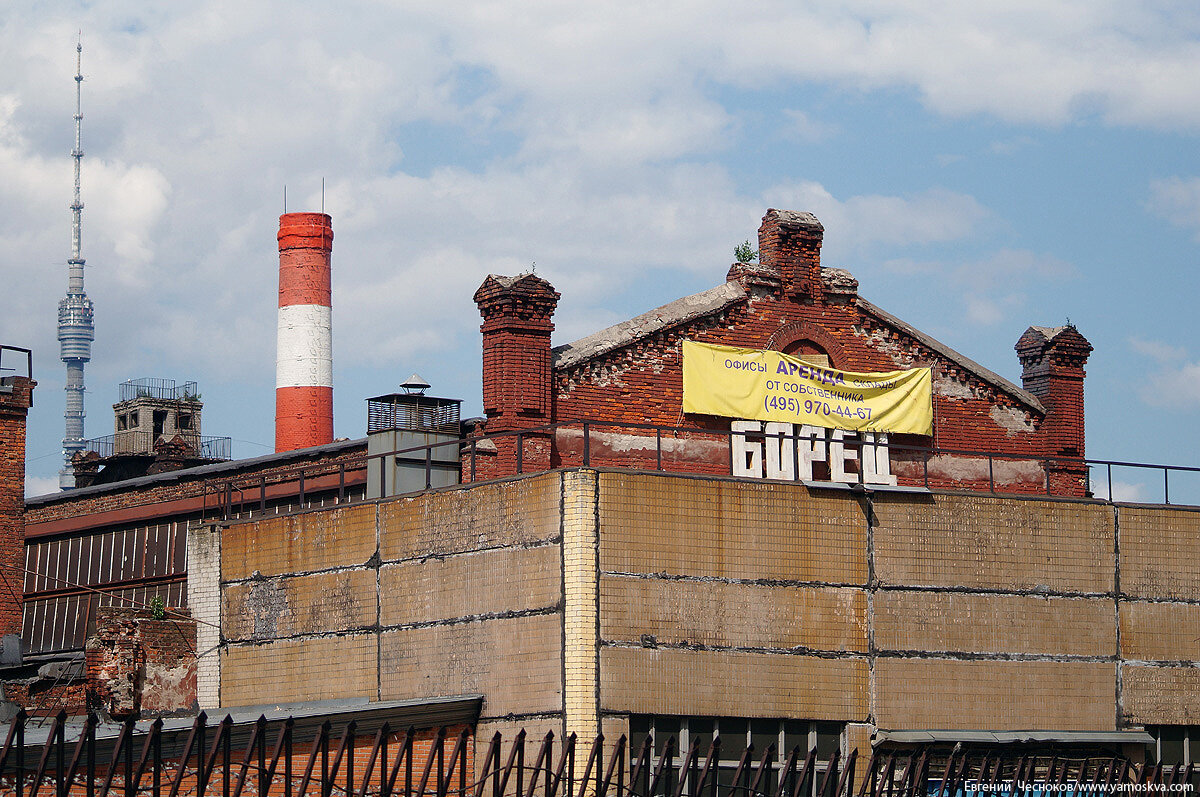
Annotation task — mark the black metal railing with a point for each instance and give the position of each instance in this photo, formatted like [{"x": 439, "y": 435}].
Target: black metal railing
[
  {"x": 157, "y": 388},
  {"x": 264, "y": 758},
  {"x": 611, "y": 444},
  {"x": 140, "y": 443},
  {"x": 15, "y": 354}
]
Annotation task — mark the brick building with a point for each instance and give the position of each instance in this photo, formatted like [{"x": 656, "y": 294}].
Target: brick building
[
  {"x": 631, "y": 373},
  {"x": 606, "y": 564}
]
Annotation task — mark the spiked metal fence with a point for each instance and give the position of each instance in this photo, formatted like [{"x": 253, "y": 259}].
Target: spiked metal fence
[{"x": 442, "y": 763}]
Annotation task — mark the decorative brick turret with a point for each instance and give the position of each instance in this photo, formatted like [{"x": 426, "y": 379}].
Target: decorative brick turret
[
  {"x": 790, "y": 241},
  {"x": 1052, "y": 360},
  {"x": 516, "y": 363},
  {"x": 16, "y": 397}
]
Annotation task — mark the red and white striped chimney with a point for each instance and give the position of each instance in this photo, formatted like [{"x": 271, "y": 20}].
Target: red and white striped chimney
[{"x": 304, "y": 352}]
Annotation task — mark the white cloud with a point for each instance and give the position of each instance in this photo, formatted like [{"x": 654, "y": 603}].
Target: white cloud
[
  {"x": 1157, "y": 350},
  {"x": 992, "y": 288},
  {"x": 1129, "y": 492},
  {"x": 38, "y": 485},
  {"x": 1177, "y": 200},
  {"x": 1174, "y": 381},
  {"x": 1175, "y": 387},
  {"x": 806, "y": 128},
  {"x": 866, "y": 221},
  {"x": 1011, "y": 146}
]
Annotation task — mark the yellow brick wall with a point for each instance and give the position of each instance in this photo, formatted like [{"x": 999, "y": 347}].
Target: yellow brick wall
[
  {"x": 993, "y": 543},
  {"x": 465, "y": 585},
  {"x": 1161, "y": 695},
  {"x": 300, "y": 543},
  {"x": 940, "y": 693},
  {"x": 312, "y": 604},
  {"x": 732, "y": 684},
  {"x": 1160, "y": 631},
  {"x": 580, "y": 609},
  {"x": 975, "y": 623},
  {"x": 296, "y": 670},
  {"x": 726, "y": 529},
  {"x": 858, "y": 737},
  {"x": 1159, "y": 548},
  {"x": 471, "y": 518},
  {"x": 733, "y": 615},
  {"x": 516, "y": 663}
]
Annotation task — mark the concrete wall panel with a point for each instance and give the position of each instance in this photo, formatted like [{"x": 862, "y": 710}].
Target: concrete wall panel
[
  {"x": 957, "y": 622},
  {"x": 732, "y": 684},
  {"x": 981, "y": 542},
  {"x": 296, "y": 670},
  {"x": 320, "y": 603},
  {"x": 515, "y": 662},
  {"x": 1161, "y": 695},
  {"x": 300, "y": 543},
  {"x": 1048, "y": 695},
  {"x": 467, "y": 585},
  {"x": 733, "y": 530},
  {"x": 1159, "y": 548},
  {"x": 1160, "y": 631},
  {"x": 521, "y": 512},
  {"x": 721, "y": 614}
]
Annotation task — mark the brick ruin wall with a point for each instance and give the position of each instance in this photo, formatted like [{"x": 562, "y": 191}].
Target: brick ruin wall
[
  {"x": 141, "y": 664},
  {"x": 725, "y": 598}
]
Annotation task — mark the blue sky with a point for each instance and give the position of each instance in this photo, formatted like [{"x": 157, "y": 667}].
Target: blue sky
[{"x": 979, "y": 168}]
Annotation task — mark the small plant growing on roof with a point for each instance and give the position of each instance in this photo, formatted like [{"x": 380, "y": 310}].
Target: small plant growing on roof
[
  {"x": 158, "y": 609},
  {"x": 745, "y": 253}
]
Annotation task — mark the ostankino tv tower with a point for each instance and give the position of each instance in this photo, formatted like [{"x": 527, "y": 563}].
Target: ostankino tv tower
[{"x": 76, "y": 330}]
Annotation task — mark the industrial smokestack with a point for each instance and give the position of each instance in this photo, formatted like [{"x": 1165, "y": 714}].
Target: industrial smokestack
[{"x": 304, "y": 353}]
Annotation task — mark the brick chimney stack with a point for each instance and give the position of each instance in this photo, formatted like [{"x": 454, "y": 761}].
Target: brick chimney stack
[
  {"x": 791, "y": 242},
  {"x": 16, "y": 397},
  {"x": 304, "y": 353},
  {"x": 516, "y": 362},
  {"x": 1052, "y": 361}
]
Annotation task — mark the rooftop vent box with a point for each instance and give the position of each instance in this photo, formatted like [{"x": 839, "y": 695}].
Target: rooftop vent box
[{"x": 398, "y": 423}]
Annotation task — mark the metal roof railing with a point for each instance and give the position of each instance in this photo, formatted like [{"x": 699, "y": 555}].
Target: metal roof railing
[{"x": 1057, "y": 477}]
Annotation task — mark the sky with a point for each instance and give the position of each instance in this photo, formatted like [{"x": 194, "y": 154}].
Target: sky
[{"x": 979, "y": 167}]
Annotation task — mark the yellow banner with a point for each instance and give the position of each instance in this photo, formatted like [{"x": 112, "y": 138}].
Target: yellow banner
[{"x": 772, "y": 386}]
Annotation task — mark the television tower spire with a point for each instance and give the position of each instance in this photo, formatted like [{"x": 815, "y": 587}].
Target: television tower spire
[{"x": 76, "y": 330}]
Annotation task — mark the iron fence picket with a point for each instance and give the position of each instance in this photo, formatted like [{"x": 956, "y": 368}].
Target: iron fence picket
[{"x": 211, "y": 763}]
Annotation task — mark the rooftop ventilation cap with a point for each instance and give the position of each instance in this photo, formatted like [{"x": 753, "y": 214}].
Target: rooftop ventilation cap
[{"x": 414, "y": 385}]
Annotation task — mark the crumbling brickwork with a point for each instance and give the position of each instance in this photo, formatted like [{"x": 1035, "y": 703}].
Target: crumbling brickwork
[
  {"x": 632, "y": 373},
  {"x": 142, "y": 665},
  {"x": 516, "y": 367}
]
